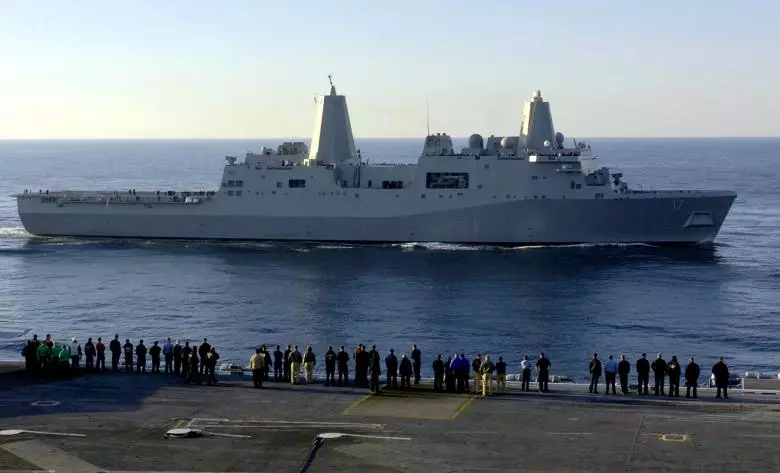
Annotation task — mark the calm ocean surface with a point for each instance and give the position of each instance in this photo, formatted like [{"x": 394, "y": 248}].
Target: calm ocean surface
[{"x": 567, "y": 301}]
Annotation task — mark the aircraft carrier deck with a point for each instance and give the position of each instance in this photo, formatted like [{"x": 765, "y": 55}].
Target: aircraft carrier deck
[{"x": 118, "y": 422}]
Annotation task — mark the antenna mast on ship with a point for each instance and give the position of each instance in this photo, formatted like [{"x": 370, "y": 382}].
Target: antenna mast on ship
[{"x": 427, "y": 117}]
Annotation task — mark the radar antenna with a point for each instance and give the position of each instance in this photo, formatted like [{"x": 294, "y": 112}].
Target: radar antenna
[
  {"x": 427, "y": 117},
  {"x": 330, "y": 79}
]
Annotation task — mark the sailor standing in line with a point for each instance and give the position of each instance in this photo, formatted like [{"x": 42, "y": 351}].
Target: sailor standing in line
[
  {"x": 406, "y": 371},
  {"x": 128, "y": 348},
  {"x": 642, "y": 373},
  {"x": 43, "y": 353},
  {"x": 140, "y": 352},
  {"x": 594, "y": 368},
  {"x": 500, "y": 374},
  {"x": 659, "y": 372},
  {"x": 64, "y": 356},
  {"x": 374, "y": 366},
  {"x": 416, "y": 362},
  {"x": 268, "y": 365},
  {"x": 450, "y": 379},
  {"x": 278, "y": 363},
  {"x": 177, "y": 357},
  {"x": 543, "y": 365},
  {"x": 295, "y": 365},
  {"x": 330, "y": 367},
  {"x": 101, "y": 355},
  {"x": 89, "y": 354},
  {"x": 212, "y": 357},
  {"x": 391, "y": 364},
  {"x": 476, "y": 363},
  {"x": 167, "y": 351},
  {"x": 287, "y": 362},
  {"x": 116, "y": 351},
  {"x": 674, "y": 370},
  {"x": 486, "y": 370},
  {"x": 692, "y": 373},
  {"x": 257, "y": 365},
  {"x": 193, "y": 375},
  {"x": 361, "y": 366},
  {"x": 342, "y": 358},
  {"x": 203, "y": 351},
  {"x": 186, "y": 351},
  {"x": 462, "y": 372},
  {"x": 309, "y": 360},
  {"x": 438, "y": 374},
  {"x": 721, "y": 372},
  {"x": 75, "y": 354},
  {"x": 624, "y": 367},
  {"x": 30, "y": 354},
  {"x": 610, "y": 371},
  {"x": 154, "y": 352},
  {"x": 525, "y": 367}
]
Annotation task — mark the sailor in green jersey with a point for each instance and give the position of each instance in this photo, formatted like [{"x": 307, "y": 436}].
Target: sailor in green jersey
[
  {"x": 63, "y": 366},
  {"x": 486, "y": 369},
  {"x": 55, "y": 354},
  {"x": 44, "y": 355}
]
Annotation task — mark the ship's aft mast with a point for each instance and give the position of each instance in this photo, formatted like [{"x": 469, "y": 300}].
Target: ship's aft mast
[{"x": 332, "y": 140}]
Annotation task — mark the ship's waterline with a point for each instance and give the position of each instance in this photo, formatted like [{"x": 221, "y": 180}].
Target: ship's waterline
[{"x": 514, "y": 190}]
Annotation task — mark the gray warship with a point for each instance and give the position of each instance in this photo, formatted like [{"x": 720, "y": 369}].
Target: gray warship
[{"x": 529, "y": 189}]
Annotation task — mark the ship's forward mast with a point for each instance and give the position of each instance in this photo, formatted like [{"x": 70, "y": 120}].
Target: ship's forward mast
[{"x": 332, "y": 140}]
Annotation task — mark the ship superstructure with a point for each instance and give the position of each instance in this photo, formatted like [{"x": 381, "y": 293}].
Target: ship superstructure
[{"x": 511, "y": 190}]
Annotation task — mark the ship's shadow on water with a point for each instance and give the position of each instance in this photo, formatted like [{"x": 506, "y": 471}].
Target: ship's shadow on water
[{"x": 251, "y": 253}]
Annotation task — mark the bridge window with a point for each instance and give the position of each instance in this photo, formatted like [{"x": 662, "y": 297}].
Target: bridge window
[
  {"x": 239, "y": 183},
  {"x": 447, "y": 180},
  {"x": 392, "y": 184},
  {"x": 230, "y": 193},
  {"x": 231, "y": 183},
  {"x": 292, "y": 183},
  {"x": 238, "y": 193}
]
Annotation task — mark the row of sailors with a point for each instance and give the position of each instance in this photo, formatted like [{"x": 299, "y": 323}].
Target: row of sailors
[
  {"x": 454, "y": 373},
  {"x": 41, "y": 357},
  {"x": 661, "y": 370},
  {"x": 451, "y": 375},
  {"x": 287, "y": 365}
]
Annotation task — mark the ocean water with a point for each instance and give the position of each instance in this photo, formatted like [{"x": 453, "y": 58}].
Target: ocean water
[{"x": 566, "y": 301}]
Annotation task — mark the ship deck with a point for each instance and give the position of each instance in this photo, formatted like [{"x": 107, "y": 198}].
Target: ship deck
[{"x": 118, "y": 422}]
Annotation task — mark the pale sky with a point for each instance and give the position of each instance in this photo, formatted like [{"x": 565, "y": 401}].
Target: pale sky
[{"x": 250, "y": 68}]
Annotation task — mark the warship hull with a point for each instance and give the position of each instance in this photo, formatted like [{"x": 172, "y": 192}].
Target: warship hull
[{"x": 672, "y": 217}]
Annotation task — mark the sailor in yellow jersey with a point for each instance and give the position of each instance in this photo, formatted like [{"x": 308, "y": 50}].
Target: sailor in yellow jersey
[
  {"x": 486, "y": 369},
  {"x": 257, "y": 365}
]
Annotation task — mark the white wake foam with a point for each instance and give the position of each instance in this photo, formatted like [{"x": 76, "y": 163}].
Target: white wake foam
[{"x": 14, "y": 232}]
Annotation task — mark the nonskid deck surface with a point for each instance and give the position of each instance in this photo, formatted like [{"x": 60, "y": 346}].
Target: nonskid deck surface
[{"x": 117, "y": 422}]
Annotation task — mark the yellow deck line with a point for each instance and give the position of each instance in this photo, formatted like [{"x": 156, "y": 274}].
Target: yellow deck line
[
  {"x": 463, "y": 407},
  {"x": 356, "y": 403}
]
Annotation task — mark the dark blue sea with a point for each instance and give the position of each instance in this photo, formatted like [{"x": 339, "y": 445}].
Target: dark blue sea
[{"x": 566, "y": 301}]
